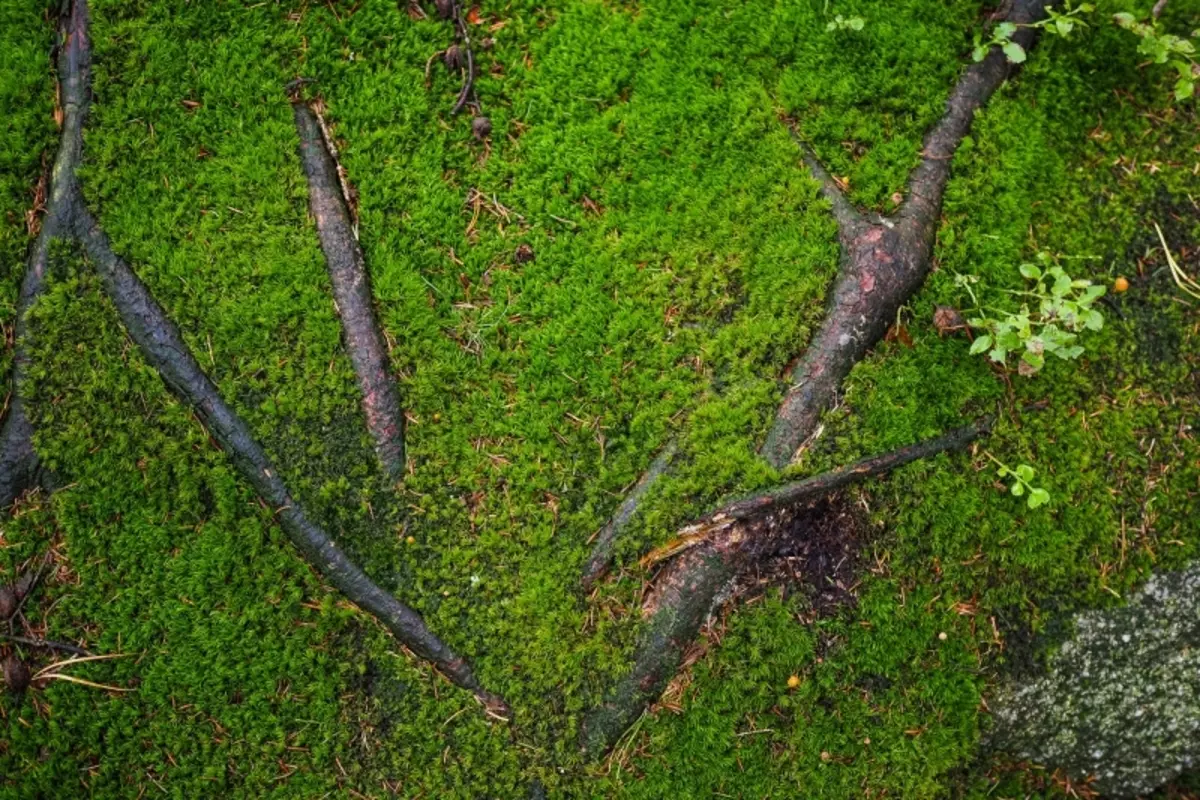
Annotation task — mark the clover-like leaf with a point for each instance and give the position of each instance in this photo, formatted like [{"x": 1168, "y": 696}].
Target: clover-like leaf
[
  {"x": 1014, "y": 52},
  {"x": 1038, "y": 498}
]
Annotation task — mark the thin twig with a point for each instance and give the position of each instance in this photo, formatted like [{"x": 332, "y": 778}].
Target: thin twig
[
  {"x": 26, "y": 591},
  {"x": 49, "y": 669},
  {"x": 467, "y": 93},
  {"x": 1182, "y": 279},
  {"x": 83, "y": 682},
  {"x": 46, "y": 643}
]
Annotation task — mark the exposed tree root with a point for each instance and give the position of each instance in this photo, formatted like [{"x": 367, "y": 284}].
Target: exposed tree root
[
  {"x": 606, "y": 539},
  {"x": 19, "y": 466},
  {"x": 352, "y": 292},
  {"x": 708, "y": 554},
  {"x": 757, "y": 507},
  {"x": 164, "y": 348},
  {"x": 18, "y": 460},
  {"x": 884, "y": 261}
]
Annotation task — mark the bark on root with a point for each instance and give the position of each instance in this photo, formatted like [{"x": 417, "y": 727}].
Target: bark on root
[
  {"x": 710, "y": 553},
  {"x": 163, "y": 347},
  {"x": 606, "y": 540},
  {"x": 19, "y": 466},
  {"x": 884, "y": 261},
  {"x": 352, "y": 292}
]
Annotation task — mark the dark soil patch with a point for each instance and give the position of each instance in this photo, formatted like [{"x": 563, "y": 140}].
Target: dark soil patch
[
  {"x": 1153, "y": 301},
  {"x": 820, "y": 560}
]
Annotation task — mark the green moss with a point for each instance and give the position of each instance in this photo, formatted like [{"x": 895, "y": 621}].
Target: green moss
[
  {"x": 681, "y": 259},
  {"x": 26, "y": 138}
]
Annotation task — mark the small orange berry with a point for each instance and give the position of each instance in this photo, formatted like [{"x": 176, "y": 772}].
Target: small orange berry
[
  {"x": 1120, "y": 285},
  {"x": 411, "y": 540},
  {"x": 793, "y": 681}
]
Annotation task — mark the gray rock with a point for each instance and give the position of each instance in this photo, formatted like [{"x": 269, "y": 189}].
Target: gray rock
[{"x": 1121, "y": 700}]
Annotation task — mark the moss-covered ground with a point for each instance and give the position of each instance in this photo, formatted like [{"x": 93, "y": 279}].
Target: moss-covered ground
[{"x": 681, "y": 257}]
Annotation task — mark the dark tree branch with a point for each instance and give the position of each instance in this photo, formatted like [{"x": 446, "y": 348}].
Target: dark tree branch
[
  {"x": 352, "y": 292},
  {"x": 606, "y": 540},
  {"x": 163, "y": 347},
  {"x": 713, "y": 551},
  {"x": 884, "y": 263},
  {"x": 49, "y": 644},
  {"x": 19, "y": 467},
  {"x": 849, "y": 219}
]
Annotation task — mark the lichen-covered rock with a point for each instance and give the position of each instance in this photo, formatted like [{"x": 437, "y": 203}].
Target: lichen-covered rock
[{"x": 1121, "y": 701}]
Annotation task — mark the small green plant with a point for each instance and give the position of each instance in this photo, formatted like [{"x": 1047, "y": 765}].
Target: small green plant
[
  {"x": 1160, "y": 47},
  {"x": 1062, "y": 307},
  {"x": 1060, "y": 23},
  {"x": 1022, "y": 482},
  {"x": 1166, "y": 48},
  {"x": 840, "y": 23}
]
